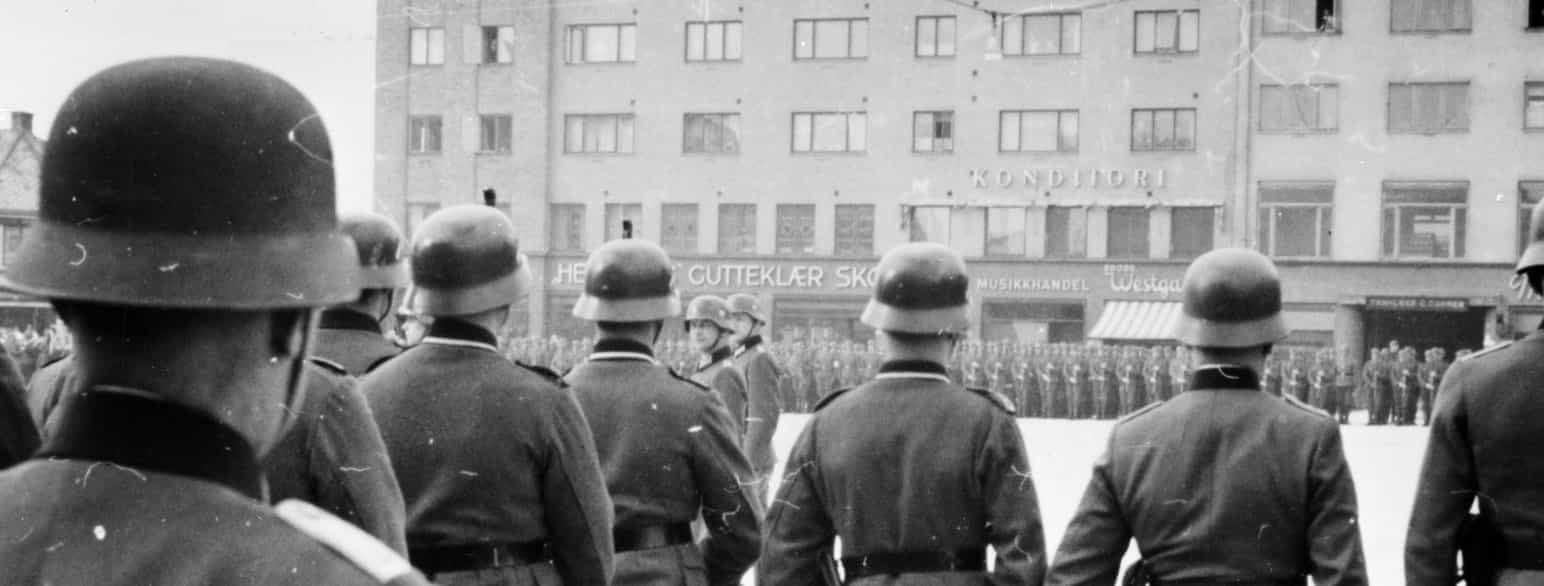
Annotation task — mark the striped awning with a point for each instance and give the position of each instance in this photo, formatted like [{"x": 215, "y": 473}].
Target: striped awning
[{"x": 1137, "y": 320}]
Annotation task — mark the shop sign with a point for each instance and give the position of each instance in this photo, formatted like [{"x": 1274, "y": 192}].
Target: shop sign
[
  {"x": 1075, "y": 178},
  {"x": 1417, "y": 304},
  {"x": 1126, "y": 279},
  {"x": 1033, "y": 285},
  {"x": 748, "y": 276}
]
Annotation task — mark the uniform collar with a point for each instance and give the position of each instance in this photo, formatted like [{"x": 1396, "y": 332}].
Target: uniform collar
[
  {"x": 719, "y": 355},
  {"x": 135, "y": 431},
  {"x": 454, "y": 332},
  {"x": 620, "y": 349},
  {"x": 1223, "y": 377},
  {"x": 924, "y": 369},
  {"x": 750, "y": 343},
  {"x": 348, "y": 319}
]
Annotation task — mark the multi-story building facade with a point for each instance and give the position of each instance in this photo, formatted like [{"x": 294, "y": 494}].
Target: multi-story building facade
[
  {"x": 1078, "y": 158},
  {"x": 21, "y": 166}
]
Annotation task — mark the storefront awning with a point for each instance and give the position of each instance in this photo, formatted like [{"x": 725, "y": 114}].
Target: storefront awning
[{"x": 1137, "y": 320}]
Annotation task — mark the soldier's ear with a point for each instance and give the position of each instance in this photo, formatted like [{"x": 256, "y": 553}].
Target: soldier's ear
[{"x": 287, "y": 332}]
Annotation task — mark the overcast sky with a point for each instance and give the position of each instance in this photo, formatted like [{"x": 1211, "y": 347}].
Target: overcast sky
[{"x": 324, "y": 47}]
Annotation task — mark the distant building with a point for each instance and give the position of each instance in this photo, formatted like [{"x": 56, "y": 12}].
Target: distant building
[
  {"x": 1079, "y": 159},
  {"x": 21, "y": 163}
]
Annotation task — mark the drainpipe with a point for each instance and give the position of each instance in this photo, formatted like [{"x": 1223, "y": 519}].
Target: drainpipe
[{"x": 1244, "y": 197}]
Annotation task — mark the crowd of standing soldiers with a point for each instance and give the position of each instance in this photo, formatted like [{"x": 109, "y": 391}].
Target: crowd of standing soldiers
[{"x": 1082, "y": 381}]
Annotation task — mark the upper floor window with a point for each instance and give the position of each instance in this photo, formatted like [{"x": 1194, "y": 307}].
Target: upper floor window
[
  {"x": 830, "y": 132},
  {"x": 598, "y": 133},
  {"x": 830, "y": 38},
  {"x": 1126, "y": 234},
  {"x": 602, "y": 43},
  {"x": 854, "y": 230},
  {"x": 712, "y": 134},
  {"x": 1425, "y": 219},
  {"x": 1428, "y": 108},
  {"x": 497, "y": 131},
  {"x": 1533, "y": 105},
  {"x": 1427, "y": 16},
  {"x": 13, "y": 234},
  {"x": 498, "y": 44},
  {"x": 423, "y": 134},
  {"x": 1529, "y": 193},
  {"x": 933, "y": 132},
  {"x": 713, "y": 40},
  {"x": 1043, "y": 34},
  {"x": 935, "y": 36},
  {"x": 737, "y": 228},
  {"x": 1168, "y": 31},
  {"x": 1301, "y": 16},
  {"x": 1299, "y": 108},
  {"x": 1066, "y": 232},
  {"x": 426, "y": 46},
  {"x": 678, "y": 227},
  {"x": 1295, "y": 219},
  {"x": 1163, "y": 129},
  {"x": 1191, "y": 231},
  {"x": 565, "y": 227},
  {"x": 1038, "y": 131},
  {"x": 795, "y": 228},
  {"x": 623, "y": 221}
]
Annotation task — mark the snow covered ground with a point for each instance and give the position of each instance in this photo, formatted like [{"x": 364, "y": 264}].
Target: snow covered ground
[{"x": 1384, "y": 462}]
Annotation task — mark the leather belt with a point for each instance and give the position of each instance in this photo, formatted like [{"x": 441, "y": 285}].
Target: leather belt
[
  {"x": 650, "y": 536},
  {"x": 914, "y": 562},
  {"x": 1298, "y": 581},
  {"x": 478, "y": 556}
]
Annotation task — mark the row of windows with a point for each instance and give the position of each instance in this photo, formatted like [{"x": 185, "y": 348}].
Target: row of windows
[
  {"x": 974, "y": 231},
  {"x": 1057, "y": 33},
  {"x": 1162, "y": 129}
]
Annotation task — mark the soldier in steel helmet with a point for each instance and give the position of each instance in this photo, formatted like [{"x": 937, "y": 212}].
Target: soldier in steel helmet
[
  {"x": 350, "y": 334},
  {"x": 763, "y": 382},
  {"x": 1222, "y": 484},
  {"x": 186, "y": 236},
  {"x": 895, "y": 466},
  {"x": 669, "y": 447},
  {"x": 1480, "y": 452},
  {"x": 707, "y": 323},
  {"x": 501, "y": 478}
]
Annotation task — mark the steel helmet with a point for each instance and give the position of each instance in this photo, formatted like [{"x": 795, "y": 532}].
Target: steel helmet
[
  {"x": 628, "y": 280},
  {"x": 1232, "y": 299},
  {"x": 378, "y": 241},
  {"x": 466, "y": 259},
  {"x": 709, "y": 307},
  {"x": 184, "y": 182},
  {"x": 747, "y": 304},
  {"x": 1533, "y": 256},
  {"x": 920, "y": 288}
]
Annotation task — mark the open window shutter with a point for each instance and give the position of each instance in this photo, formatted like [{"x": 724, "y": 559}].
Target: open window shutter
[{"x": 471, "y": 44}]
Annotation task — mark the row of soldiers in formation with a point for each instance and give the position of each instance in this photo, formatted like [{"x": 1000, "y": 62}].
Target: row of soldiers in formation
[
  {"x": 188, "y": 237},
  {"x": 1080, "y": 381}
]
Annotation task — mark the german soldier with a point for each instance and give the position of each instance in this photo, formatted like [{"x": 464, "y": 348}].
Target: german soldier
[
  {"x": 1081, "y": 402},
  {"x": 1271, "y": 379},
  {"x": 1230, "y": 485},
  {"x": 1408, "y": 384},
  {"x": 349, "y": 334},
  {"x": 1380, "y": 387},
  {"x": 500, "y": 477},
  {"x": 707, "y": 322},
  {"x": 881, "y": 466},
  {"x": 1102, "y": 379},
  {"x": 1436, "y": 366},
  {"x": 763, "y": 375},
  {"x": 1345, "y": 385},
  {"x": 1480, "y": 452},
  {"x": 1053, "y": 387},
  {"x": 670, "y": 449},
  {"x": 187, "y": 235}
]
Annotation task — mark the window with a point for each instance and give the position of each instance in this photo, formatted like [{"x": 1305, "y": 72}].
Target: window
[
  {"x": 678, "y": 227},
  {"x": 795, "y": 228},
  {"x": 962, "y": 228},
  {"x": 1533, "y": 105},
  {"x": 932, "y": 132},
  {"x": 1427, "y": 108},
  {"x": 935, "y": 36},
  {"x": 620, "y": 217},
  {"x": 423, "y": 134},
  {"x": 928, "y": 223},
  {"x": 1424, "y": 220},
  {"x": 1295, "y": 219},
  {"x": 1301, "y": 16},
  {"x": 565, "y": 227},
  {"x": 1005, "y": 228},
  {"x": 1164, "y": 129},
  {"x": 1127, "y": 236},
  {"x": 602, "y": 43},
  {"x": 1529, "y": 193},
  {"x": 1299, "y": 108},
  {"x": 1043, "y": 34},
  {"x": 417, "y": 212},
  {"x": 830, "y": 132},
  {"x": 713, "y": 41},
  {"x": 1190, "y": 231},
  {"x": 495, "y": 133},
  {"x": 854, "y": 230},
  {"x": 598, "y": 133},
  {"x": 712, "y": 134},
  {"x": 837, "y": 38},
  {"x": 1425, "y": 16},
  {"x": 737, "y": 228},
  {"x": 1023, "y": 131},
  {"x": 498, "y": 44},
  {"x": 1168, "y": 31},
  {"x": 1066, "y": 232},
  {"x": 426, "y": 46},
  {"x": 14, "y": 232}
]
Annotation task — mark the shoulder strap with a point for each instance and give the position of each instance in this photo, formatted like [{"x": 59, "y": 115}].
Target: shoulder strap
[
  {"x": 1487, "y": 350},
  {"x": 329, "y": 365},
  {"x": 996, "y": 398},
  {"x": 350, "y": 542},
  {"x": 379, "y": 362},
  {"x": 545, "y": 373},
  {"x": 704, "y": 388},
  {"x": 1295, "y": 402},
  {"x": 826, "y": 400}
]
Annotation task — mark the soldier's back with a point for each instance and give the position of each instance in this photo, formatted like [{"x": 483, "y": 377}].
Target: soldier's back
[{"x": 352, "y": 340}]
